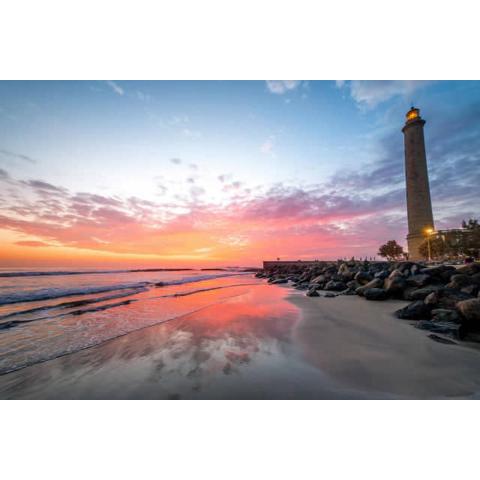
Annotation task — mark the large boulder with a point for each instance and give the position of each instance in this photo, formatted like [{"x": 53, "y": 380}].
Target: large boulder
[
  {"x": 448, "y": 298},
  {"x": 395, "y": 286},
  {"x": 445, "y": 315},
  {"x": 440, "y": 272},
  {"x": 470, "y": 269},
  {"x": 452, "y": 329},
  {"x": 312, "y": 292},
  {"x": 375, "y": 283},
  {"x": 375, "y": 294},
  {"x": 335, "y": 286},
  {"x": 414, "y": 311},
  {"x": 320, "y": 279},
  {"x": 470, "y": 309},
  {"x": 421, "y": 293},
  {"x": 362, "y": 277},
  {"x": 419, "y": 280},
  {"x": 459, "y": 281}
]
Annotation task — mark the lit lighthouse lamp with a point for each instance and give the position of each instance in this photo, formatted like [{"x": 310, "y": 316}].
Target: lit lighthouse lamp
[{"x": 413, "y": 114}]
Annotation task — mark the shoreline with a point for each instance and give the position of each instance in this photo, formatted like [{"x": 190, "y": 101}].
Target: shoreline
[{"x": 262, "y": 341}]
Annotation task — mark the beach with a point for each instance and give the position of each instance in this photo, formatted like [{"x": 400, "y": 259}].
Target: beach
[{"x": 240, "y": 338}]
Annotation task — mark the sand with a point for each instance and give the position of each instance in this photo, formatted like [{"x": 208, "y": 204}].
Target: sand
[
  {"x": 262, "y": 342},
  {"x": 361, "y": 344}
]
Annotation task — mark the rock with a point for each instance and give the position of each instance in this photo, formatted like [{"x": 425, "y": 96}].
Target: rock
[
  {"x": 362, "y": 278},
  {"x": 335, "y": 286},
  {"x": 278, "y": 281},
  {"x": 448, "y": 298},
  {"x": 382, "y": 274},
  {"x": 445, "y": 315},
  {"x": 432, "y": 298},
  {"x": 470, "y": 289},
  {"x": 319, "y": 279},
  {"x": 421, "y": 293},
  {"x": 419, "y": 280},
  {"x": 440, "y": 272},
  {"x": 312, "y": 292},
  {"x": 470, "y": 309},
  {"x": 375, "y": 283},
  {"x": 414, "y": 311},
  {"x": 395, "y": 286},
  {"x": 459, "y": 281},
  {"x": 470, "y": 269},
  {"x": 375, "y": 294},
  {"x": 329, "y": 295},
  {"x": 395, "y": 273},
  {"x": 438, "y": 339},
  {"x": 447, "y": 328}
]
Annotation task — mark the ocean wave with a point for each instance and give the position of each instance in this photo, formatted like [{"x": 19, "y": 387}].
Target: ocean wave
[
  {"x": 88, "y": 272},
  {"x": 53, "y": 293}
]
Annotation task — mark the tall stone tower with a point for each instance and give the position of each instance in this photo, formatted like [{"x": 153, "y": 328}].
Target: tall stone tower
[{"x": 419, "y": 204}]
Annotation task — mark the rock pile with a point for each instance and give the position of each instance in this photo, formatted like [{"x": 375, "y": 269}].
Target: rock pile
[{"x": 444, "y": 299}]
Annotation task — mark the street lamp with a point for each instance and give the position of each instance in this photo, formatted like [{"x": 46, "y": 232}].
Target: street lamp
[{"x": 428, "y": 232}]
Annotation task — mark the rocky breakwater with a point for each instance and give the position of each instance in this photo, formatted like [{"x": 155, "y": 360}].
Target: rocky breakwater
[{"x": 442, "y": 299}]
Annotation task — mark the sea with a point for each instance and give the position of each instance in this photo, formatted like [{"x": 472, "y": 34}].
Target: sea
[{"x": 48, "y": 313}]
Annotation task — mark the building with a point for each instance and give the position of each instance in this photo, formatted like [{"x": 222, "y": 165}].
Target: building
[{"x": 419, "y": 204}]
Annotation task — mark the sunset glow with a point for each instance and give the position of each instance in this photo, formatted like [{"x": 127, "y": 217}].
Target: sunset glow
[{"x": 218, "y": 173}]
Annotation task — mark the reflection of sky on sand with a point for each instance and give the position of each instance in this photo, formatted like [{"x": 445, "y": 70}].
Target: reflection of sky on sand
[{"x": 238, "y": 348}]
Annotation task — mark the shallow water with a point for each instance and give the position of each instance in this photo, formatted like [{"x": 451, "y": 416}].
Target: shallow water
[
  {"x": 46, "y": 316},
  {"x": 233, "y": 341}
]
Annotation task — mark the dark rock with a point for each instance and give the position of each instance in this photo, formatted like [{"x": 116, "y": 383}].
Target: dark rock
[
  {"x": 329, "y": 295},
  {"x": 440, "y": 272},
  {"x": 432, "y": 298},
  {"x": 382, "y": 274},
  {"x": 459, "y": 281},
  {"x": 414, "y": 311},
  {"x": 395, "y": 286},
  {"x": 448, "y": 298},
  {"x": 278, "y": 281},
  {"x": 312, "y": 292},
  {"x": 470, "y": 269},
  {"x": 362, "y": 277},
  {"x": 319, "y": 279},
  {"x": 447, "y": 328},
  {"x": 375, "y": 294},
  {"x": 420, "y": 293},
  {"x": 419, "y": 280},
  {"x": 445, "y": 315},
  {"x": 395, "y": 273},
  {"x": 470, "y": 289},
  {"x": 335, "y": 286},
  {"x": 438, "y": 339},
  {"x": 470, "y": 309},
  {"x": 375, "y": 283}
]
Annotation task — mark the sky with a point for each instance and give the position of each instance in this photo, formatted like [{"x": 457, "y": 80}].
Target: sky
[{"x": 223, "y": 173}]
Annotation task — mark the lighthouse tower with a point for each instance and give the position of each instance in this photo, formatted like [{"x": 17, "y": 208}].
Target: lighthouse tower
[{"x": 419, "y": 204}]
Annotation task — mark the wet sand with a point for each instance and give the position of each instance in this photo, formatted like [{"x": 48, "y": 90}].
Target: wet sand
[{"x": 261, "y": 342}]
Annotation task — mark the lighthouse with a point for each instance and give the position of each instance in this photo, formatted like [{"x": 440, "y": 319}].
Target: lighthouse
[{"x": 419, "y": 204}]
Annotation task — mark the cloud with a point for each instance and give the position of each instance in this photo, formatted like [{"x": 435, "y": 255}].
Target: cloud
[
  {"x": 268, "y": 145},
  {"x": 32, "y": 243},
  {"x": 4, "y": 174},
  {"x": 143, "y": 97},
  {"x": 279, "y": 87},
  {"x": 115, "y": 87},
  {"x": 44, "y": 186},
  {"x": 350, "y": 213},
  {"x": 370, "y": 93},
  {"x": 17, "y": 156},
  {"x": 176, "y": 161},
  {"x": 191, "y": 133}
]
